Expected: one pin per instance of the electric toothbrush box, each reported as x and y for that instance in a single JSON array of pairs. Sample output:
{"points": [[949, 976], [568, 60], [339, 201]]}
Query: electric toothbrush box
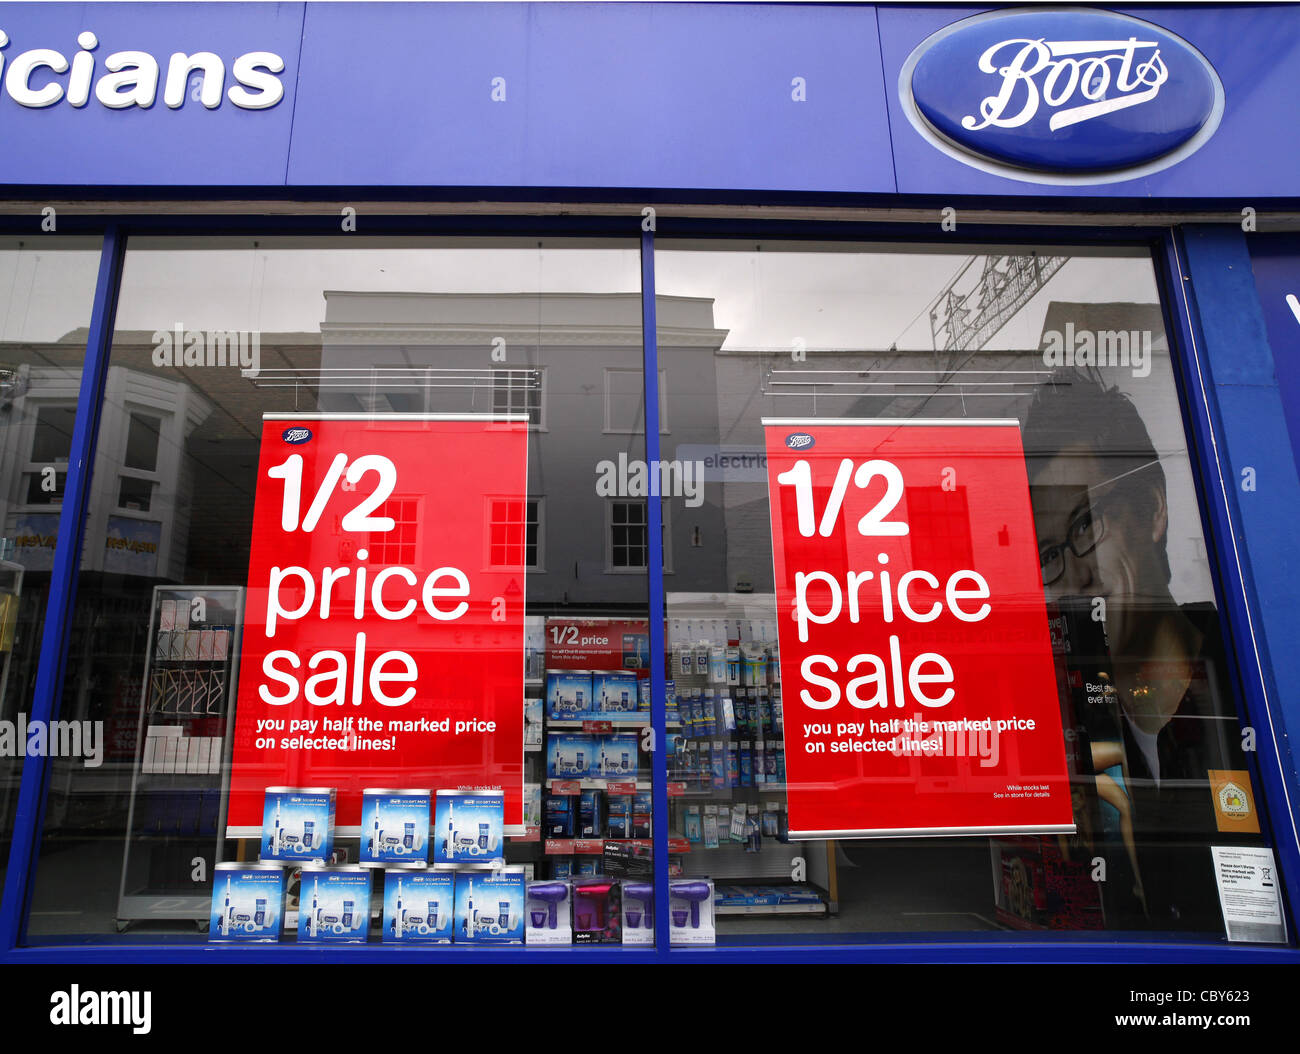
{"points": [[297, 824], [638, 913], [395, 827], [597, 911], [568, 694], [617, 755], [691, 911], [559, 816], [334, 905], [614, 692], [468, 829], [490, 906], [569, 755], [419, 906], [247, 903], [591, 814], [550, 913]]}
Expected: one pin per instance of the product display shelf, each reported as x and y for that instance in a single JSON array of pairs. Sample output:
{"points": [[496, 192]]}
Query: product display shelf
{"points": [[176, 809]]}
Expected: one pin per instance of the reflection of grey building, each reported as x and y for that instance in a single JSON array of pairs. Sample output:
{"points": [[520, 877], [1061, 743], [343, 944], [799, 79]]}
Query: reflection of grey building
{"points": [[139, 509], [573, 363]]}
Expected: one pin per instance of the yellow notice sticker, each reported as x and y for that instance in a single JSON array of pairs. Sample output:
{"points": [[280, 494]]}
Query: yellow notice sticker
{"points": [[1234, 804]]}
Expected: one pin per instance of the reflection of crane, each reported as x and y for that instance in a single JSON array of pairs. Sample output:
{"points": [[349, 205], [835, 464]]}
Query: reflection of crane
{"points": [[963, 322]]}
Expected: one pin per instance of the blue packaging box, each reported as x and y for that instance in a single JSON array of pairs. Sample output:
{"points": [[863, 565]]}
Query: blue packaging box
{"points": [[395, 827], [334, 905], [247, 903], [571, 755], [559, 816], [614, 692], [617, 758], [297, 824], [419, 906], [468, 828], [490, 906], [568, 694], [591, 819]]}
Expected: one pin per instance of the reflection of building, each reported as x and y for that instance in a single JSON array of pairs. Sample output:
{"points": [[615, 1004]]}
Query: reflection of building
{"points": [[142, 484], [573, 363]]}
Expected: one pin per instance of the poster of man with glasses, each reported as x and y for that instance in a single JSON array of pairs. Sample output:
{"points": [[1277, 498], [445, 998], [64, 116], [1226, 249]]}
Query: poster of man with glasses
{"points": [[1153, 709]]}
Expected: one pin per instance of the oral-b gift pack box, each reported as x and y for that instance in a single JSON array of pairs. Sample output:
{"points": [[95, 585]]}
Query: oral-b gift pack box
{"points": [[395, 827], [570, 755], [419, 906], [334, 905], [614, 692], [617, 756], [297, 824], [550, 913], [568, 694], [468, 828], [247, 902], [490, 906]]}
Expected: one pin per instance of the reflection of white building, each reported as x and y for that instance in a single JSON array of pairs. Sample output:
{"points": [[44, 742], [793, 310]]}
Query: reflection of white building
{"points": [[138, 512]]}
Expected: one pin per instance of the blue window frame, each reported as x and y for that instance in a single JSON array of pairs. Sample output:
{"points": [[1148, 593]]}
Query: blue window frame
{"points": [[1204, 287]]}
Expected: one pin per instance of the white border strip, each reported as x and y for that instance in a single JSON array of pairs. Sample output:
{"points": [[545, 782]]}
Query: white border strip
{"points": [[937, 832], [814, 422]]}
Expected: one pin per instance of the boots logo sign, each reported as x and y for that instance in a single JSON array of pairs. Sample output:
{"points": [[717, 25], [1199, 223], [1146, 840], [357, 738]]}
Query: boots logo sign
{"points": [[1061, 96]]}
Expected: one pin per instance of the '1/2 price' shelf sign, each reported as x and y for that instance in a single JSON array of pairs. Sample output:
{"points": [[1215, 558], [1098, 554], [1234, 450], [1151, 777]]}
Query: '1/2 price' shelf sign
{"points": [[384, 638], [917, 674]]}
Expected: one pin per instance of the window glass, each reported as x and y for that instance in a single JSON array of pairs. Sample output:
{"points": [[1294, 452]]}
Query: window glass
{"points": [[232, 361], [46, 293], [1069, 346]]}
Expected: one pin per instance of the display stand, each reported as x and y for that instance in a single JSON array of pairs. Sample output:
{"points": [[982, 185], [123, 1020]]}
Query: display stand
{"points": [[176, 819]]}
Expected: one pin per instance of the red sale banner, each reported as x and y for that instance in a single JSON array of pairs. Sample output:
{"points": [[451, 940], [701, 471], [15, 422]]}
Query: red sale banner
{"points": [[918, 682], [384, 636]]}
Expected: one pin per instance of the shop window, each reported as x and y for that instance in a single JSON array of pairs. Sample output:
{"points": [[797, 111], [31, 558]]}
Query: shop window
{"points": [[624, 408], [1070, 347], [628, 546], [520, 391], [515, 525], [199, 468]]}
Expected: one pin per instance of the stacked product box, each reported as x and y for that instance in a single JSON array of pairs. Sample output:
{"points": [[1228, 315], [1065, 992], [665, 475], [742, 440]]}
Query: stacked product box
{"points": [[247, 902], [419, 907], [334, 905], [297, 825], [468, 829], [395, 827], [490, 906]]}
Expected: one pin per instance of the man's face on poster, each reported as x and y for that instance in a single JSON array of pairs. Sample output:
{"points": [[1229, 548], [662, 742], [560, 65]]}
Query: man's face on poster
{"points": [[1099, 526]]}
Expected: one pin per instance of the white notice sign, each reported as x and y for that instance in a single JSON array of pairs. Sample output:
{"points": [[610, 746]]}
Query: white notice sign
{"points": [[1248, 894]]}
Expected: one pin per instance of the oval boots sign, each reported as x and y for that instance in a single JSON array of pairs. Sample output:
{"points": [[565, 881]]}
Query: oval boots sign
{"points": [[1061, 96]]}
